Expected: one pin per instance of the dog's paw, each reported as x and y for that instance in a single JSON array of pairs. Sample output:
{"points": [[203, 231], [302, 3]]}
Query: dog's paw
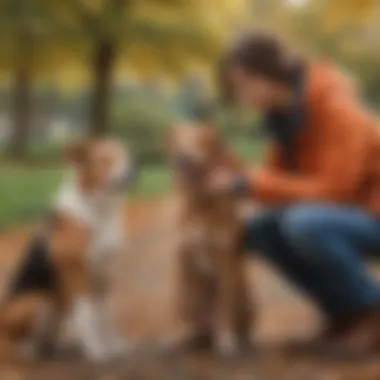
{"points": [[227, 343]]}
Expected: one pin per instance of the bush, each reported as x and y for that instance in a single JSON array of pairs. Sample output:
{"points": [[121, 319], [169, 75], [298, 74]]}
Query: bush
{"points": [[142, 124], [141, 118]]}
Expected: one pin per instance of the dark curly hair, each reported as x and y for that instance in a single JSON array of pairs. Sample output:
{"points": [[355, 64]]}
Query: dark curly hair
{"points": [[259, 54]]}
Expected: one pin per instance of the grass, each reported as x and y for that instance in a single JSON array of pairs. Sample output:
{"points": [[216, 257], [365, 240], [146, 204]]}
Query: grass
{"points": [[153, 181], [25, 193]]}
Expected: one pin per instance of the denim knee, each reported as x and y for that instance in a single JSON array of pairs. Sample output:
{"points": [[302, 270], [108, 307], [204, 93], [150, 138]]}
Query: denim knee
{"points": [[306, 228]]}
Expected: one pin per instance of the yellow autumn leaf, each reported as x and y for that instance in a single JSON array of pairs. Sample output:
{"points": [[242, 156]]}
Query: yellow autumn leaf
{"points": [[340, 13]]}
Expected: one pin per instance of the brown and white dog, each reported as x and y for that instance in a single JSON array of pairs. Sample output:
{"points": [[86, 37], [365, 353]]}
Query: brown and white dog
{"points": [[213, 293], [65, 272]]}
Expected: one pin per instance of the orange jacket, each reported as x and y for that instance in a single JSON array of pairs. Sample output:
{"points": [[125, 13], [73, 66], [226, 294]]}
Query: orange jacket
{"points": [[336, 152]]}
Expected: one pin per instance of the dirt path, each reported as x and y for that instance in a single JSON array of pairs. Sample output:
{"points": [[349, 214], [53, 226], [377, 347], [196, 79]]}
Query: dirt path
{"points": [[282, 315]]}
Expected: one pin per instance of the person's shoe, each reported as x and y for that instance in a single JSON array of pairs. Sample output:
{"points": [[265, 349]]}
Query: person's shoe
{"points": [[359, 341], [351, 338], [335, 328]]}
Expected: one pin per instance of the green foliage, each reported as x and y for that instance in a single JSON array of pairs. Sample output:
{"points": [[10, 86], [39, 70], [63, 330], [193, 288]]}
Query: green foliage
{"points": [[142, 123], [153, 181], [25, 193]]}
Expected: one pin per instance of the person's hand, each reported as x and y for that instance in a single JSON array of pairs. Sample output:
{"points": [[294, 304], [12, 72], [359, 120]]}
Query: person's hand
{"points": [[228, 183]]}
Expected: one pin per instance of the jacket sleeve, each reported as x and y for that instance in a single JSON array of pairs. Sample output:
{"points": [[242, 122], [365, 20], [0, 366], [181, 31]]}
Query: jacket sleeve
{"points": [[340, 167]]}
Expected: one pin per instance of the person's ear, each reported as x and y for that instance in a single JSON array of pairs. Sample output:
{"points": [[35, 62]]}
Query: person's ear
{"points": [[76, 152]]}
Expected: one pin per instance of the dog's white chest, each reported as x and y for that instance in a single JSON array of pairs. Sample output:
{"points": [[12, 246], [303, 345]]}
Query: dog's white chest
{"points": [[103, 216], [107, 240]]}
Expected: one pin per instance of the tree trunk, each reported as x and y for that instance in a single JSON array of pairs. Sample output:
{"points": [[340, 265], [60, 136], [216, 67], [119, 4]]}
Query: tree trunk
{"points": [[103, 64], [20, 132]]}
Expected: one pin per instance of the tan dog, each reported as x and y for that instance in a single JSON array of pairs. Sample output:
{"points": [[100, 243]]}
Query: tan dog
{"points": [[65, 271], [213, 293]]}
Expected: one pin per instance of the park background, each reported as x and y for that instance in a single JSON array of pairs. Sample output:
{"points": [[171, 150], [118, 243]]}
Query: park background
{"points": [[133, 68]]}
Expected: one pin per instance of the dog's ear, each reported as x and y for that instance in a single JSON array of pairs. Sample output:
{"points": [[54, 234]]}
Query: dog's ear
{"points": [[76, 152]]}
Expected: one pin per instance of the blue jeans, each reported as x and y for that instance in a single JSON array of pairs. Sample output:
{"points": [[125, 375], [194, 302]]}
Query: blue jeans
{"points": [[320, 248]]}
